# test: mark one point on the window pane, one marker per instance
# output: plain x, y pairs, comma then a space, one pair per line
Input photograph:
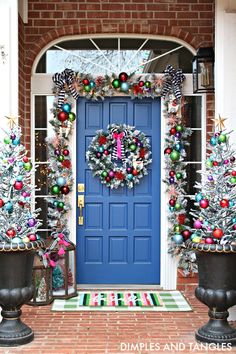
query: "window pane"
192, 111
192, 177
40, 145
43, 106
44, 234
194, 150
41, 179
41, 203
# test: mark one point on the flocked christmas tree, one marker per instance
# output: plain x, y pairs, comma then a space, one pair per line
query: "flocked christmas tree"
215, 220
18, 223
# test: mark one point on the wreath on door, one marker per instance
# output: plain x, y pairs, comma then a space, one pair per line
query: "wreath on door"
119, 155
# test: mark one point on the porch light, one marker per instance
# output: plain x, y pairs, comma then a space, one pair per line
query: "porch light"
42, 281
203, 70
64, 274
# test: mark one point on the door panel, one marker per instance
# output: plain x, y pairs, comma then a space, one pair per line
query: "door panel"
119, 242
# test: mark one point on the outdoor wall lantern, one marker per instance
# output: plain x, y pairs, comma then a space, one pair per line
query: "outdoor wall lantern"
42, 281
203, 70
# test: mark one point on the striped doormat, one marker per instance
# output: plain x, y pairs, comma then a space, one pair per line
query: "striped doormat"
124, 301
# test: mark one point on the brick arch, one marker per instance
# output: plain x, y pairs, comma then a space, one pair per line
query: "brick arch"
176, 32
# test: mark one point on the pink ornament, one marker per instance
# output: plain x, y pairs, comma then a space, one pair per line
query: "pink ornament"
32, 237
209, 240
24, 194
111, 174
226, 162
204, 203
61, 251
18, 185
11, 160
197, 224
234, 227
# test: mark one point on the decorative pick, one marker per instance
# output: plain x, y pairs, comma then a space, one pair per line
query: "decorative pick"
219, 122
12, 120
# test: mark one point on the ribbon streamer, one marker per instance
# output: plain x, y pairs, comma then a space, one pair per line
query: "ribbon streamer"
118, 138
172, 82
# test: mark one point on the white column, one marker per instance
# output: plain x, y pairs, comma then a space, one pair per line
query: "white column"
9, 69
225, 72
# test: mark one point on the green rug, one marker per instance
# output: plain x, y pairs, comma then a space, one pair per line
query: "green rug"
124, 301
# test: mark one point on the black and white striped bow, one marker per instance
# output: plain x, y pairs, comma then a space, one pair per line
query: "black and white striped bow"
61, 79
172, 82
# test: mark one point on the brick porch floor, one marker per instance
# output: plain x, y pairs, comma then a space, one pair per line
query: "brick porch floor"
96, 332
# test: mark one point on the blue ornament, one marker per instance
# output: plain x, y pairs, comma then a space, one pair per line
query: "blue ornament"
19, 178
92, 84
124, 86
16, 141
66, 107
100, 149
178, 147
130, 176
198, 197
178, 239
213, 141
16, 240
231, 203
61, 181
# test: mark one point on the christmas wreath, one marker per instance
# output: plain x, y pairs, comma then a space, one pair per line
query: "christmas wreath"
119, 156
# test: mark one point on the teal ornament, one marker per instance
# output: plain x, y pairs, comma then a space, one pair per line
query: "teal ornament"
178, 239
231, 203
234, 220
20, 164
198, 197
16, 141
213, 141
192, 236
171, 209
130, 176
178, 147
100, 149
17, 240
124, 86
206, 223
61, 181
66, 107
38, 238
55, 203
9, 206
92, 84
19, 178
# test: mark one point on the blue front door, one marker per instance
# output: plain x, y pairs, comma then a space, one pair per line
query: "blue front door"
119, 242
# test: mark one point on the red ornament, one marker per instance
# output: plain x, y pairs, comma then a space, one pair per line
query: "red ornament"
224, 203
66, 152
168, 151
119, 175
234, 227
102, 140
1, 203
25, 159
21, 204
204, 203
209, 240
135, 172
106, 152
172, 202
18, 185
123, 77
233, 173
186, 234
137, 89
172, 173
142, 153
85, 82
108, 179
65, 190
172, 131
218, 233
62, 116
32, 237
66, 163
215, 163
11, 233
141, 83
181, 218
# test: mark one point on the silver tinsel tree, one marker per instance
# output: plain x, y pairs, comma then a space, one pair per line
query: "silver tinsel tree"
18, 223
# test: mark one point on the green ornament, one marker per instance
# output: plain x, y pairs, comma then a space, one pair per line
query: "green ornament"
174, 155
28, 166
177, 206
233, 180
209, 163
178, 228
116, 83
133, 147
222, 138
7, 140
87, 88
60, 205
71, 117
179, 128
148, 84
55, 189
60, 158
104, 174
179, 175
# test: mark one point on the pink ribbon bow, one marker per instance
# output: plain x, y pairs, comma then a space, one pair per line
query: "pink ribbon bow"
118, 138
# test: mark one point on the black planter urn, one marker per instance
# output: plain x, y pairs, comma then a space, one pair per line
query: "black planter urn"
216, 289
16, 289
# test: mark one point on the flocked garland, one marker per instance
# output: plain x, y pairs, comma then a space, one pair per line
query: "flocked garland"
119, 155
69, 83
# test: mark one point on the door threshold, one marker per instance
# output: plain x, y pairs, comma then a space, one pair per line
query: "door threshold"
118, 286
